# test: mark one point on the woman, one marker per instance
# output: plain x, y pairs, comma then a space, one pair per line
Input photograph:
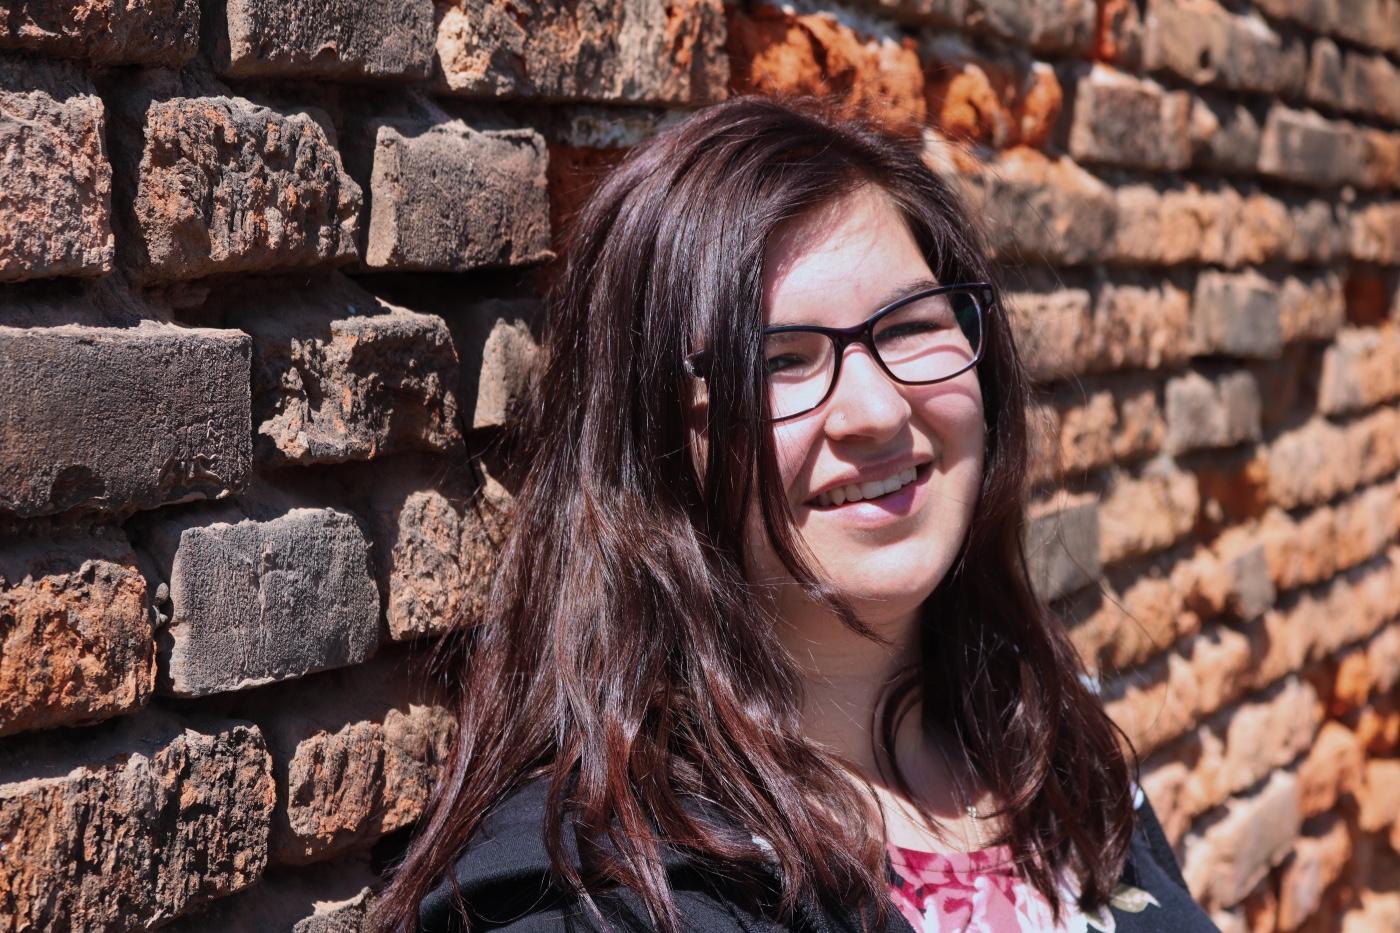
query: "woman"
761, 651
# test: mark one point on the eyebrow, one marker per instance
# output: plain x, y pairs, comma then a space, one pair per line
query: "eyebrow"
889, 298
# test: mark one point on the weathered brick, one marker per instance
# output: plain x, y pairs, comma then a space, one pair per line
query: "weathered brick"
1128, 624
436, 535
1257, 228
1325, 83
496, 344
1318, 231
1122, 120
1233, 750
340, 375
600, 50
1301, 146
1119, 34
214, 183
1000, 101
55, 204
170, 405
1158, 227
129, 824
1049, 328
328, 897
1371, 85
1201, 41
150, 32
1312, 307
1328, 540
1378, 727
1043, 25
1123, 422
1224, 135
253, 602
1236, 315
1360, 369
1318, 860
1036, 208
1140, 515
1139, 324
778, 52
1231, 856
1211, 412
1332, 767
1371, 295
343, 39
1062, 545
445, 197
355, 754
76, 645
1378, 796
921, 12
1380, 159
1373, 233
1319, 460
1372, 23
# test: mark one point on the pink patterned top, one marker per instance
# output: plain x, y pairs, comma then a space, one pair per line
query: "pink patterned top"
975, 891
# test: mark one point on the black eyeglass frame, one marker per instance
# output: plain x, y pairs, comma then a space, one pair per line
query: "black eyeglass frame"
864, 333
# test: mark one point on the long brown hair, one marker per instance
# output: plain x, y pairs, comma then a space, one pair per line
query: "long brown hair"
617, 652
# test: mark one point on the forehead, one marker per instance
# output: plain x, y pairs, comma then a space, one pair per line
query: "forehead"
839, 262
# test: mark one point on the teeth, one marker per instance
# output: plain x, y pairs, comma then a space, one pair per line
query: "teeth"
858, 491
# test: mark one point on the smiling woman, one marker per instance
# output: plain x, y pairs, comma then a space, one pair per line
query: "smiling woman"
761, 651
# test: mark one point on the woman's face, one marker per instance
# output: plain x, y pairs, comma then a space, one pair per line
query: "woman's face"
835, 266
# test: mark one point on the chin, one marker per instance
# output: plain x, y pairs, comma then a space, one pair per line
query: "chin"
883, 590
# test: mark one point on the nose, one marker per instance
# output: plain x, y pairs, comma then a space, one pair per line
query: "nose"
866, 403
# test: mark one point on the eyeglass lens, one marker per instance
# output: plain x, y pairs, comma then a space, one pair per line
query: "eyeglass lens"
926, 340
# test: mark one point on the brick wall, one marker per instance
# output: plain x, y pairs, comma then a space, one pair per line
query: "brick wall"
269, 277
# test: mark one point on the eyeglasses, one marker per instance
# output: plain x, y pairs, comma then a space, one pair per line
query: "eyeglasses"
929, 336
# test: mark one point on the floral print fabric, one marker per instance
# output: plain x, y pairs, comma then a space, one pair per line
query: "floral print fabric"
980, 892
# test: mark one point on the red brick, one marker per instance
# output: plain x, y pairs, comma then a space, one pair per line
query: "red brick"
1312, 307
1168, 227
255, 601
1140, 515
1360, 370
340, 375
1325, 83
445, 197
355, 754
1327, 540
1049, 328
328, 897
110, 32
1236, 315
1378, 797
135, 821
774, 52
1043, 25
436, 540
1302, 147
1201, 41
573, 172
496, 344
169, 404
1062, 545
1319, 460
1333, 767
1127, 121
1042, 209
76, 646
1371, 85
599, 50
1372, 296
345, 39
999, 101
1224, 135
1318, 860
1119, 34
55, 214
213, 183
1258, 228
1223, 863
1140, 323
1117, 423
1373, 233
1211, 412
1318, 231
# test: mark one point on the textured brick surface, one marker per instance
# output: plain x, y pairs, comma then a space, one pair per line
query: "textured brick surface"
132, 823
340, 375
446, 197
1201, 41
329, 897
344, 39
1303, 147
1121, 120
1226, 861
253, 602
152, 32
171, 405
215, 183
55, 204
1062, 545
605, 50
1212, 412
355, 754
76, 645
1236, 315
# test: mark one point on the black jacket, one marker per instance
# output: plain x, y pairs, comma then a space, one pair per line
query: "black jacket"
504, 878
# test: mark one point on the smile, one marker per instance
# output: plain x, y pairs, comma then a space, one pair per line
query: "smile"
859, 492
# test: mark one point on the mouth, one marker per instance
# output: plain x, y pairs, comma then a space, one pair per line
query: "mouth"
868, 492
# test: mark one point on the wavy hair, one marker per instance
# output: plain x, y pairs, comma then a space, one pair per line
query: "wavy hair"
619, 652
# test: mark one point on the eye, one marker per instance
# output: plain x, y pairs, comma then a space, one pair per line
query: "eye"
784, 363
